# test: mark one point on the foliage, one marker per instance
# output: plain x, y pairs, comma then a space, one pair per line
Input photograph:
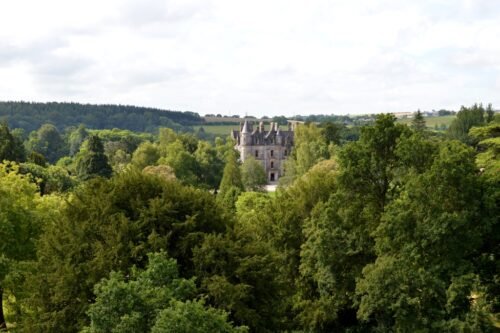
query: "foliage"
11, 148
21, 221
49, 179
109, 225
310, 147
47, 141
193, 317
253, 175
231, 184
152, 300
396, 231
31, 116
418, 122
91, 161
422, 278
467, 118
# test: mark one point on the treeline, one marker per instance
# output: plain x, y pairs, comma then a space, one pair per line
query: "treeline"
30, 116
397, 231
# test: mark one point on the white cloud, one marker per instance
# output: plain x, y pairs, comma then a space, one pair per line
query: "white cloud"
257, 57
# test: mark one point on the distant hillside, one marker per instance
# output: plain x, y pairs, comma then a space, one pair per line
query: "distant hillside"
30, 116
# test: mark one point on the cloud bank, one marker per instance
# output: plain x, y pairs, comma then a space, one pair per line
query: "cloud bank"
253, 57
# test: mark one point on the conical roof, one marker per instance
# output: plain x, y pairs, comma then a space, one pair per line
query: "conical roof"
245, 128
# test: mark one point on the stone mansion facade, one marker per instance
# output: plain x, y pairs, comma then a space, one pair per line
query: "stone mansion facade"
270, 147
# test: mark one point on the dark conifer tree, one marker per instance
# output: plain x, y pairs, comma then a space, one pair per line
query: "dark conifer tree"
93, 162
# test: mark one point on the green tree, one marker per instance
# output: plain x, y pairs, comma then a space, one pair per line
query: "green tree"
418, 122
231, 184
238, 270
76, 138
109, 225
21, 221
48, 142
487, 140
193, 317
468, 118
145, 155
156, 299
310, 147
183, 162
423, 278
91, 161
253, 175
210, 165
337, 238
11, 148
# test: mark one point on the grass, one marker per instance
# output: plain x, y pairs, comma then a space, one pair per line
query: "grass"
222, 130
225, 130
432, 121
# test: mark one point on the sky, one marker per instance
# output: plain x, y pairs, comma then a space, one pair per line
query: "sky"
258, 57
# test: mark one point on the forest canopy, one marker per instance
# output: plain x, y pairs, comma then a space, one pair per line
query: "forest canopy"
395, 229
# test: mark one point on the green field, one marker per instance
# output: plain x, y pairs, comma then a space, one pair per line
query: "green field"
225, 130
431, 121
222, 130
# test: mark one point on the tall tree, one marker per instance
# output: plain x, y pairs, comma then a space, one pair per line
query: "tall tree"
338, 239
91, 161
11, 148
418, 122
467, 118
231, 184
422, 279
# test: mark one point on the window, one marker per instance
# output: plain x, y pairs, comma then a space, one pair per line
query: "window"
272, 165
272, 177
256, 153
272, 153
285, 152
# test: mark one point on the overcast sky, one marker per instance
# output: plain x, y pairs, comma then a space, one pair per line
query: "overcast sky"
255, 57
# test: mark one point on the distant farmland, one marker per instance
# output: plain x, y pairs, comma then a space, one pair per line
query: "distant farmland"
431, 121
221, 130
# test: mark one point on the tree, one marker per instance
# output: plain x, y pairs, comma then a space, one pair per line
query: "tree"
418, 122
337, 238
109, 225
466, 119
146, 154
210, 165
253, 175
193, 317
76, 138
91, 161
156, 299
422, 278
48, 142
11, 148
21, 221
238, 270
182, 161
310, 147
231, 184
